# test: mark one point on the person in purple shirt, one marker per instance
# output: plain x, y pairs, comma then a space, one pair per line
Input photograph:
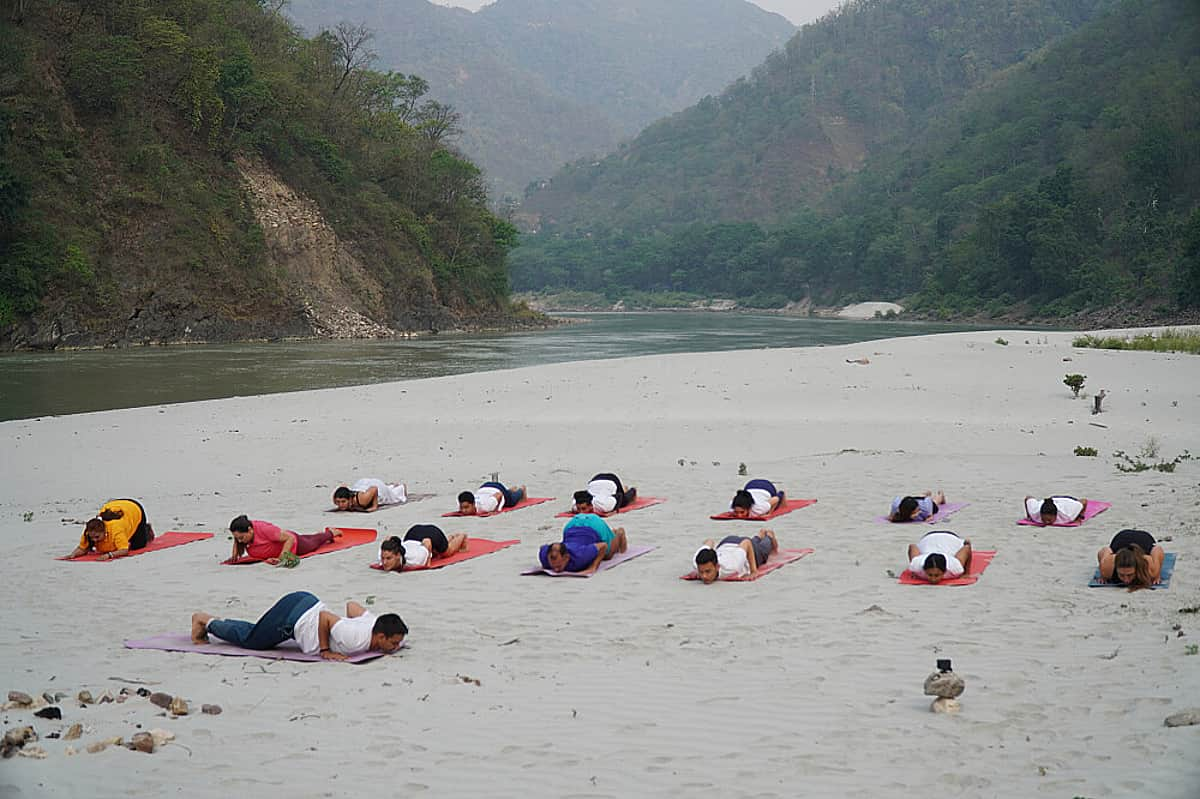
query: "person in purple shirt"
583, 547
916, 509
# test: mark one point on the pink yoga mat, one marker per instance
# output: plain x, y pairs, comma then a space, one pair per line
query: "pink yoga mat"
1094, 508
163, 541
629, 554
777, 559
980, 559
789, 505
637, 504
180, 642
476, 547
411, 499
945, 510
528, 502
351, 537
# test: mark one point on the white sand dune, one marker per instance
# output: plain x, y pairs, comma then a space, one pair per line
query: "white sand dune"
635, 683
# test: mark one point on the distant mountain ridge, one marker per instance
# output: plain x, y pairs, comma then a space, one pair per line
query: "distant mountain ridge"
540, 83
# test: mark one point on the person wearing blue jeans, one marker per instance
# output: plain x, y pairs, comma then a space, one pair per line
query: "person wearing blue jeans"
302, 618
490, 498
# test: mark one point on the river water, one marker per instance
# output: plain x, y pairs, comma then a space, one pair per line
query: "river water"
57, 383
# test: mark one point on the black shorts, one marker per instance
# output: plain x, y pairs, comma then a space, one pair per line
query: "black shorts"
419, 532
1127, 538
144, 533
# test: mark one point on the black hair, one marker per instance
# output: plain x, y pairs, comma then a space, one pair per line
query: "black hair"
706, 555
390, 624
905, 509
241, 524
466, 496
1048, 508
743, 499
343, 493
581, 497
394, 544
935, 560
557, 547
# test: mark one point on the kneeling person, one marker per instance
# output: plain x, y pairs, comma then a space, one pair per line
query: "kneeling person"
735, 556
420, 545
939, 555
758, 498
121, 527
490, 498
587, 540
303, 618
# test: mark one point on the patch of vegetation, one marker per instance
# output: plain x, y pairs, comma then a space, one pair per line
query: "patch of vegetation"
1191, 649
1086, 452
1075, 383
1147, 459
1169, 340
1003, 342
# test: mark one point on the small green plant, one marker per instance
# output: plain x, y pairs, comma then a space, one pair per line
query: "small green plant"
1145, 460
1086, 452
1192, 609
1075, 383
1166, 341
27, 516
1191, 649
1001, 341
370, 600
742, 470
288, 560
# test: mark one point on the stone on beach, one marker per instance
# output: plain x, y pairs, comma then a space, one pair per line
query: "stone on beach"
944, 684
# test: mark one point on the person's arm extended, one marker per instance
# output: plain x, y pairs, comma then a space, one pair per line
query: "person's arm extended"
601, 548
354, 610
76, 553
748, 547
324, 625
368, 499
116, 553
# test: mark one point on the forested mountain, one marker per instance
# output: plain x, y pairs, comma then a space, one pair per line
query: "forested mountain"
543, 82
197, 170
1066, 182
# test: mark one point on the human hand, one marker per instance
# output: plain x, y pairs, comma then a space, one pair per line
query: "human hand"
328, 654
272, 561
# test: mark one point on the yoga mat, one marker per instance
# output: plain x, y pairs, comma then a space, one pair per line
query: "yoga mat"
777, 559
637, 504
980, 559
163, 541
351, 537
629, 554
525, 503
476, 547
1164, 577
945, 511
1094, 508
411, 499
789, 505
180, 642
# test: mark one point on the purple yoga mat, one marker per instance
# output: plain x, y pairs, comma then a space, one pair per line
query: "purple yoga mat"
629, 554
179, 642
945, 511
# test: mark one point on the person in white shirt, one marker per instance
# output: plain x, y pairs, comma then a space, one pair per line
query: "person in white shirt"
490, 498
303, 619
916, 509
368, 494
1054, 510
420, 545
604, 495
735, 556
756, 499
939, 555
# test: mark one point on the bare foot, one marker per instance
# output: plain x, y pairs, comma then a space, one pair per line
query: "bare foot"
200, 627
939, 497
335, 531
774, 541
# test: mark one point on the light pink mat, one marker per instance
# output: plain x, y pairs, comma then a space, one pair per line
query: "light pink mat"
629, 554
777, 559
945, 511
637, 504
1094, 508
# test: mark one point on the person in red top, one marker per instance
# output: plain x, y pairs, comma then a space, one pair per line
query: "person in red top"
119, 528
267, 542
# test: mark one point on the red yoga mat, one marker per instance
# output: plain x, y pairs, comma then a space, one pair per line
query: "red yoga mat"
528, 502
781, 558
476, 547
637, 504
980, 559
788, 506
1094, 508
162, 541
351, 537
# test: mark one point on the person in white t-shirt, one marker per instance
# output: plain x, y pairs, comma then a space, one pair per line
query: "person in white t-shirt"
939, 555
757, 498
368, 494
1054, 510
420, 545
735, 556
491, 497
604, 495
304, 620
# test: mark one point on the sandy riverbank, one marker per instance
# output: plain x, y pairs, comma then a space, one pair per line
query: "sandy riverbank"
635, 683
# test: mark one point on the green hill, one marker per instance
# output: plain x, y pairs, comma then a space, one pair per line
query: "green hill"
197, 170
543, 82
1066, 182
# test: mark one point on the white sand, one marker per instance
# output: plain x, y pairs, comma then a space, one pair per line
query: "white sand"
635, 683
867, 310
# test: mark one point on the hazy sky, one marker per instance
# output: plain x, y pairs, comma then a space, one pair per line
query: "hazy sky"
798, 11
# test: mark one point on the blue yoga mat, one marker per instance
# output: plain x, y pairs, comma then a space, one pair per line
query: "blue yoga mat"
1164, 580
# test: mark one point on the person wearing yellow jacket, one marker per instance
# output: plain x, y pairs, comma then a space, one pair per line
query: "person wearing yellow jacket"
119, 528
